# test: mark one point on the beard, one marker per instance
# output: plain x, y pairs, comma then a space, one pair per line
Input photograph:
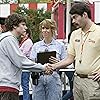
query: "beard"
76, 26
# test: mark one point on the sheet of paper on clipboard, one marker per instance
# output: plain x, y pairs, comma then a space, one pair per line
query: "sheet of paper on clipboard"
43, 57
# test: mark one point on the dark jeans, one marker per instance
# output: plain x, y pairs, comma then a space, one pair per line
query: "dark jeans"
25, 85
69, 93
9, 96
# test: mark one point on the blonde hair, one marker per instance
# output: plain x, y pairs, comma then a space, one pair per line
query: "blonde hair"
48, 23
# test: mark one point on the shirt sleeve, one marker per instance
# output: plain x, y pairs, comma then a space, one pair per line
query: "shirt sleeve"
63, 52
33, 53
26, 47
70, 48
16, 57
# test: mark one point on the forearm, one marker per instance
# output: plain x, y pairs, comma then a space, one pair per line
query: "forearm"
32, 66
35, 68
65, 62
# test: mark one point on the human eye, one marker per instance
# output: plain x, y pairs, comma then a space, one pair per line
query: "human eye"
24, 24
47, 28
43, 27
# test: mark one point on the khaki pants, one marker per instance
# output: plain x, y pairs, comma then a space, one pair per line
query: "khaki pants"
86, 89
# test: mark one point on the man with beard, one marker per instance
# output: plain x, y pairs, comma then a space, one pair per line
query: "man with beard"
84, 48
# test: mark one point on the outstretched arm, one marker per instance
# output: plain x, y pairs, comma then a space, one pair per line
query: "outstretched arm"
63, 63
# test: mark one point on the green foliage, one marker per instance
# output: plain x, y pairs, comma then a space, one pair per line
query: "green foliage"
34, 17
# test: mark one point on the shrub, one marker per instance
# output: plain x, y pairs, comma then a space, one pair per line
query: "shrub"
34, 17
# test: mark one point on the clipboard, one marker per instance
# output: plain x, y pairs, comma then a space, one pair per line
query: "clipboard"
43, 57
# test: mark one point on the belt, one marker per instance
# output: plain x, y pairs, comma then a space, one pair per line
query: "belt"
82, 75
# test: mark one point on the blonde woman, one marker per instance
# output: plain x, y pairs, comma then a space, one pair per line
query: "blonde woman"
49, 86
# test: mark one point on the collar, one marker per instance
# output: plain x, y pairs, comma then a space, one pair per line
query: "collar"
91, 29
51, 43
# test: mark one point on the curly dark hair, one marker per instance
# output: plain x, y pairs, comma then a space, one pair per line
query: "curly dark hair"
13, 20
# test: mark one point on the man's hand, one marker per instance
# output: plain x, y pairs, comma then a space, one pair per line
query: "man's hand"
52, 66
96, 76
48, 69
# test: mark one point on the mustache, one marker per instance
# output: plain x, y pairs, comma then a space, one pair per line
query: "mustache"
76, 25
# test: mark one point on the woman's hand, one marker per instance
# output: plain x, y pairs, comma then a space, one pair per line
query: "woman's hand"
53, 60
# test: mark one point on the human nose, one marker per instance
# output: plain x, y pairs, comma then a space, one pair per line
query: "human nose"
73, 20
26, 27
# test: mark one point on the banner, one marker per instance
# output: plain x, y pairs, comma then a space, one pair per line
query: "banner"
38, 1
44, 1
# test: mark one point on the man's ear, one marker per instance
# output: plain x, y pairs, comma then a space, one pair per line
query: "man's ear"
14, 27
85, 14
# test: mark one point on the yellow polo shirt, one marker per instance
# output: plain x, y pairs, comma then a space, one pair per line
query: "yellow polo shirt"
86, 49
